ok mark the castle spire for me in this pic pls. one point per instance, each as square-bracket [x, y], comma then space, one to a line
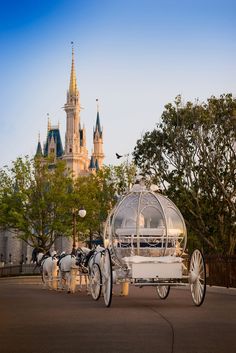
[39, 152]
[98, 141]
[49, 123]
[98, 125]
[73, 91]
[76, 154]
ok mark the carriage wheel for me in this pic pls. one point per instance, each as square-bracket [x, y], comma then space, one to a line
[163, 291]
[197, 277]
[95, 281]
[107, 278]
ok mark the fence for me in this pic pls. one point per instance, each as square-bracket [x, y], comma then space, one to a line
[221, 270]
[19, 270]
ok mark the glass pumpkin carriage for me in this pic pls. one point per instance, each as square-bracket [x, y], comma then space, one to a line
[145, 238]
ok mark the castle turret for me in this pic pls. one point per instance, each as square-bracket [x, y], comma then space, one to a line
[92, 166]
[39, 151]
[98, 141]
[76, 154]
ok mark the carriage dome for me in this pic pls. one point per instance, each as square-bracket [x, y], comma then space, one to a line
[145, 223]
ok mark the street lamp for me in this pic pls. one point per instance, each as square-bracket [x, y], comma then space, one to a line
[82, 213]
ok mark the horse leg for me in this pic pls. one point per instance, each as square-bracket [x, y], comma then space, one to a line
[73, 273]
[87, 284]
[50, 281]
[44, 279]
[67, 279]
[61, 280]
[81, 282]
[54, 277]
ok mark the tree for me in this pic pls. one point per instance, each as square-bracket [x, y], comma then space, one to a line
[191, 154]
[122, 177]
[38, 200]
[34, 201]
[97, 193]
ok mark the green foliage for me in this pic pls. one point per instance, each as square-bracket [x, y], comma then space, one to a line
[122, 177]
[34, 201]
[38, 200]
[191, 155]
[97, 194]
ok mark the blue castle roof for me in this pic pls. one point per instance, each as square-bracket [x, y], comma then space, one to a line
[96, 165]
[39, 151]
[92, 164]
[54, 133]
[98, 126]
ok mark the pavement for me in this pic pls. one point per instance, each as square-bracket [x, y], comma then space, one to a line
[36, 320]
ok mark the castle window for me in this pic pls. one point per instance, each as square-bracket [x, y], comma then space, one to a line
[70, 150]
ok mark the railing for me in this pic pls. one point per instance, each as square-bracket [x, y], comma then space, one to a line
[19, 270]
[221, 270]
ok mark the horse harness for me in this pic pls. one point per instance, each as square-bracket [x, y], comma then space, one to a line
[46, 256]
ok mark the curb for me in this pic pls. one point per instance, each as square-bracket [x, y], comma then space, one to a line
[214, 289]
[21, 280]
[221, 290]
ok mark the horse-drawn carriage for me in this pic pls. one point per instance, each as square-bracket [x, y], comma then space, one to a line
[145, 238]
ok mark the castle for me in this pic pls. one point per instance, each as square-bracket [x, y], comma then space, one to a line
[75, 154]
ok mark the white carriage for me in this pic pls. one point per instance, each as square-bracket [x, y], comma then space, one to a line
[145, 238]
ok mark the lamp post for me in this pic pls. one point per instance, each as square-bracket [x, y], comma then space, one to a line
[82, 214]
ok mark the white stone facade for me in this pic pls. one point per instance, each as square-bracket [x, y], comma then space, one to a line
[12, 249]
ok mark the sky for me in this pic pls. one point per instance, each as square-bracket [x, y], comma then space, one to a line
[135, 56]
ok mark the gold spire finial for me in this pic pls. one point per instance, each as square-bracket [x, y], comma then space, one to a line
[49, 124]
[97, 105]
[73, 84]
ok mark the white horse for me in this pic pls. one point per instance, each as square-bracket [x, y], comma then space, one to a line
[79, 264]
[67, 272]
[48, 264]
[50, 271]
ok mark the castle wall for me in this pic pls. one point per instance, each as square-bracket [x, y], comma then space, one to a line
[12, 249]
[63, 244]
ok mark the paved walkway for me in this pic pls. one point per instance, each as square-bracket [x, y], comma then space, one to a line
[35, 320]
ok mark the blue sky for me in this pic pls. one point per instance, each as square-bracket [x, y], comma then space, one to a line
[134, 55]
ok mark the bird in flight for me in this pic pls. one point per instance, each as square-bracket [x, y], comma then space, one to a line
[118, 156]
